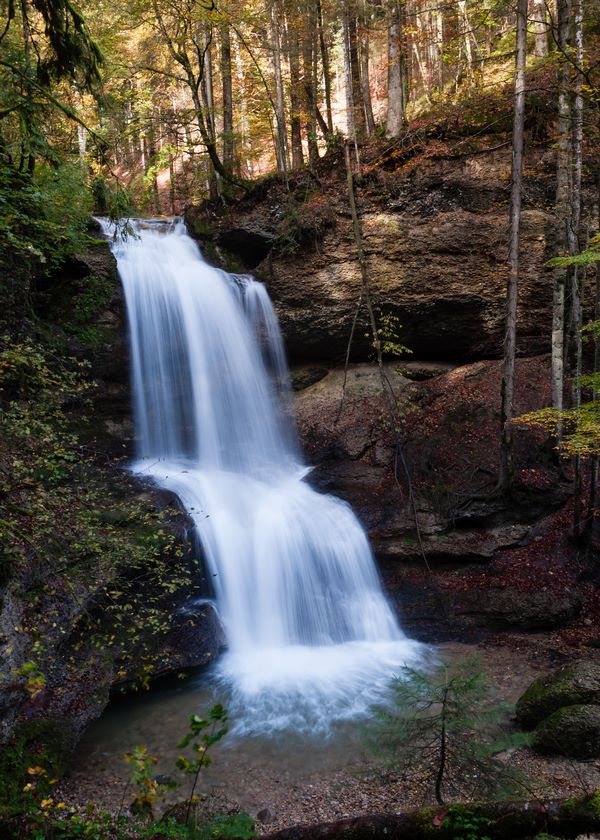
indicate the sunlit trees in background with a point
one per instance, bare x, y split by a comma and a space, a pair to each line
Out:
206, 94
196, 97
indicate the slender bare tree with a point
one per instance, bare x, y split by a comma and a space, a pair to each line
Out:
293, 52
364, 24
281, 147
574, 236
228, 144
397, 71
510, 339
540, 27
326, 66
563, 205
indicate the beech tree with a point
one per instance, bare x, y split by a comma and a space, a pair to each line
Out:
281, 146
540, 28
397, 70
510, 339
363, 24
228, 148
293, 25
575, 244
563, 204
355, 109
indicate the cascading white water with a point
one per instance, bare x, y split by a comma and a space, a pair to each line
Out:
311, 636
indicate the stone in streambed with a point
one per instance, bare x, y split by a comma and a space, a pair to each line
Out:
264, 816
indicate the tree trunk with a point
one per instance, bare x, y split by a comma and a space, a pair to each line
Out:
28, 158
357, 96
354, 104
365, 84
82, 135
540, 28
207, 81
245, 164
143, 157
206, 88
434, 16
172, 184
466, 38
439, 46
504, 821
577, 273
507, 466
309, 46
228, 145
293, 49
563, 212
151, 160
593, 520
281, 144
441, 770
350, 115
420, 38
396, 70
326, 70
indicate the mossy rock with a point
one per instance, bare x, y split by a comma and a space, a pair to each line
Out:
578, 684
573, 731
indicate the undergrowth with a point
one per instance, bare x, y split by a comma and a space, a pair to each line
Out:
42, 816
88, 572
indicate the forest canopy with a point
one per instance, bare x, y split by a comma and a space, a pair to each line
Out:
182, 99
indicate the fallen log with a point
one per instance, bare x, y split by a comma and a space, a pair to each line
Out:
498, 820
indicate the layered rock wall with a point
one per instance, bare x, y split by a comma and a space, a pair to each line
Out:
436, 241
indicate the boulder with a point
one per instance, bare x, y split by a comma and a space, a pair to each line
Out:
573, 686
97, 637
573, 731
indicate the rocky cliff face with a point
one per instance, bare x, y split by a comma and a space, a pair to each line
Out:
436, 238
85, 306
435, 232
103, 589
438, 465
459, 559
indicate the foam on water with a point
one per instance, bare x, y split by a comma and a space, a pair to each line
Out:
311, 636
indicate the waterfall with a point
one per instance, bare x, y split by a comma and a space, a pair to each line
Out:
311, 636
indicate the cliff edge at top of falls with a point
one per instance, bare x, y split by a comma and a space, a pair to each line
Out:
435, 226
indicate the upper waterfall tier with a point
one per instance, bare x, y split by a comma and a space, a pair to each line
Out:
201, 341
